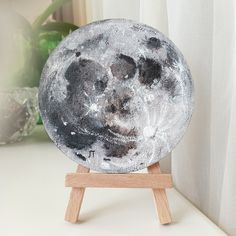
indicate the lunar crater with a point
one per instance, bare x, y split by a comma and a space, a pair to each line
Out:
149, 70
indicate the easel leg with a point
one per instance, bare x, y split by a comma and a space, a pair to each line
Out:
160, 198
76, 198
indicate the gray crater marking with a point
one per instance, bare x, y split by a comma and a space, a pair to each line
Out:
116, 96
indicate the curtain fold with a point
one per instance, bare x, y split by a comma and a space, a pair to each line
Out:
191, 29
222, 197
203, 164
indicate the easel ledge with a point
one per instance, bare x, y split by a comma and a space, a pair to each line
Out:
153, 179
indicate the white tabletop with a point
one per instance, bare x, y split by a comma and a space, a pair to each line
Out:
33, 200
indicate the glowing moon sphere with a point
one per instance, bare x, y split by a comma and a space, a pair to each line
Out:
116, 96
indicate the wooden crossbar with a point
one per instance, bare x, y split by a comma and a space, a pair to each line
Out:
136, 180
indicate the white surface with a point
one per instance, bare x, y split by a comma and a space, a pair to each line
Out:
33, 200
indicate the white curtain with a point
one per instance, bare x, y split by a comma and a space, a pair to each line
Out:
204, 163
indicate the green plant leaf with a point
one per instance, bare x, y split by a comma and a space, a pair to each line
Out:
62, 27
56, 4
47, 37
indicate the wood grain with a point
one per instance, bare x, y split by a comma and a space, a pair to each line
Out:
136, 180
75, 201
160, 197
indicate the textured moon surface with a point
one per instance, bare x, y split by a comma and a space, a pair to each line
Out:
116, 96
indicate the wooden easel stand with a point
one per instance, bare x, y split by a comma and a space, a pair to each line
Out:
153, 179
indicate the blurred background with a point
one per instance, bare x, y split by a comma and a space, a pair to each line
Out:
203, 164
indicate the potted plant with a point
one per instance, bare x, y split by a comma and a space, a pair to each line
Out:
31, 46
